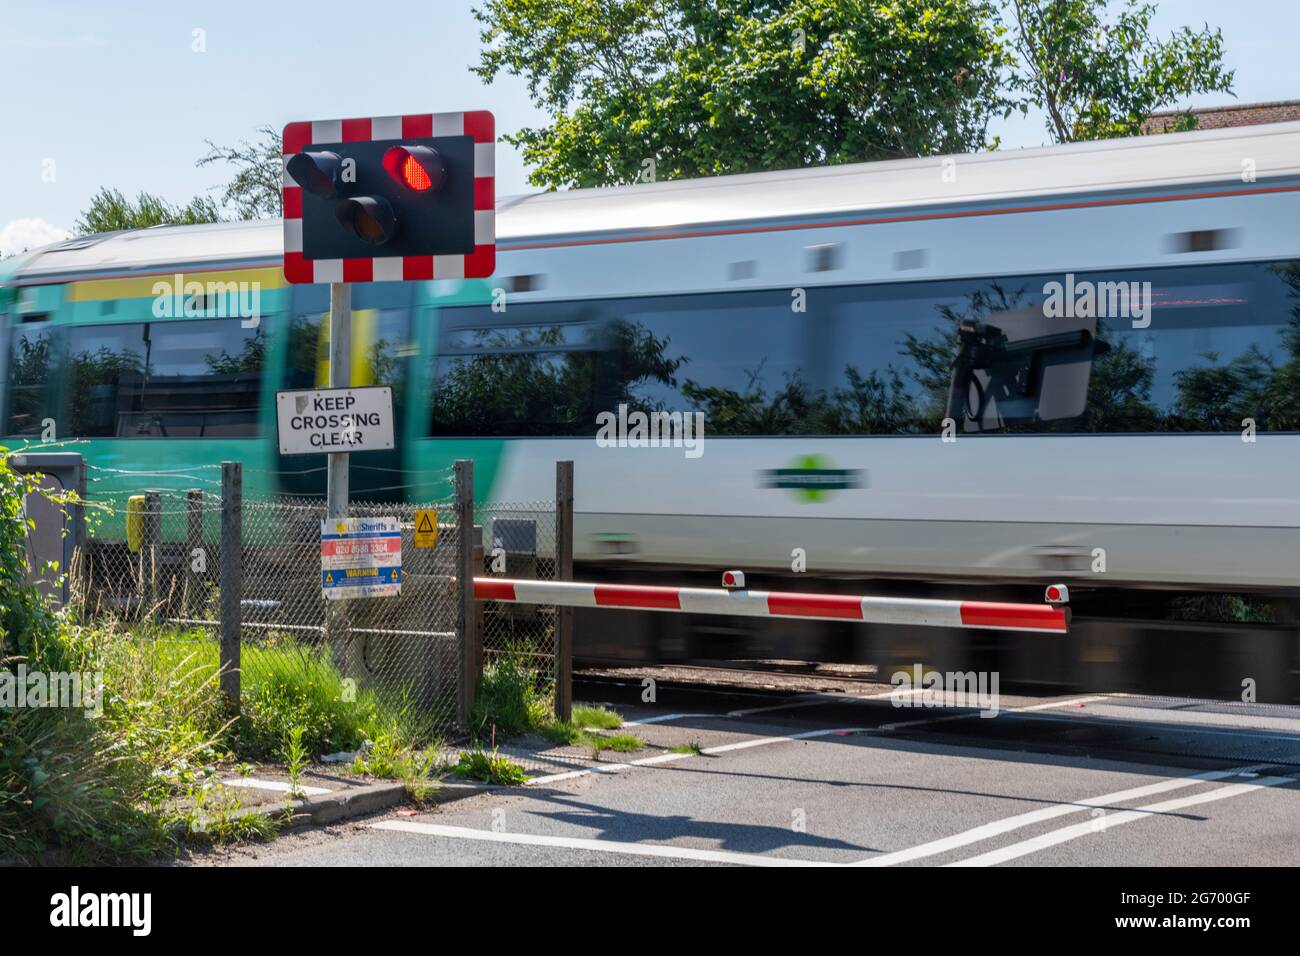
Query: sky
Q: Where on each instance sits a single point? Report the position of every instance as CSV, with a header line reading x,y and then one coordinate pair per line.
x,y
124,93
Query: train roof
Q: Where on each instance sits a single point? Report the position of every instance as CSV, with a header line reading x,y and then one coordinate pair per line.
x,y
1119,165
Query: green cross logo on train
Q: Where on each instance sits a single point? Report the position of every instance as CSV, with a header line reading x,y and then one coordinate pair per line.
x,y
811,478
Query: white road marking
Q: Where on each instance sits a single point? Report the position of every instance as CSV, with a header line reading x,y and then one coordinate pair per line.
x,y
813,700
1062,703
939,719
1106,822
253,783
663,718
707,751
602,846
1006,825
782,738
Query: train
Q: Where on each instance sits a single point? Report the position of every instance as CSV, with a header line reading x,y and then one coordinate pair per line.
x,y
970,375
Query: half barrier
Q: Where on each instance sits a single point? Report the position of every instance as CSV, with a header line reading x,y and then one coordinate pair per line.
x,y
1051,617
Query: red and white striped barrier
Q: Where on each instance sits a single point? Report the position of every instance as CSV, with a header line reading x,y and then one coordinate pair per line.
x,y
1050,618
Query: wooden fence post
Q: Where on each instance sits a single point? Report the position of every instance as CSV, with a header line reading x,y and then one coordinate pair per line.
x,y
564,572
151,539
467,619
193,595
232,575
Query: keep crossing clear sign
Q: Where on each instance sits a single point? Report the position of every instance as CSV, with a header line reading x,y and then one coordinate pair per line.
x,y
360,557
318,420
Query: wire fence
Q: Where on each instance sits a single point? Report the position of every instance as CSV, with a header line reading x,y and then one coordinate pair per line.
x,y
400,652
159,557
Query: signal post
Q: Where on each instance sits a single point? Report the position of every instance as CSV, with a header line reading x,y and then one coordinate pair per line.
x,y
390,198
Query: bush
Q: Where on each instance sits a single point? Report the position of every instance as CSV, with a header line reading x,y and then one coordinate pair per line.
x,y
110,788
489,768
512,697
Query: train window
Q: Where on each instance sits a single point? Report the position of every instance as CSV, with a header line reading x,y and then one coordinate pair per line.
x,y
539,370
382,341
204,379
984,355
106,365
30,370
1172,349
741,358
186,379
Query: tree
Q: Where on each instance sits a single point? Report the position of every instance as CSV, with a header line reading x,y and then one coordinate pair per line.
x,y
1096,80
642,89
110,211
255,191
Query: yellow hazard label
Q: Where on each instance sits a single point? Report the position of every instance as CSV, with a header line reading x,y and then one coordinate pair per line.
x,y
426,528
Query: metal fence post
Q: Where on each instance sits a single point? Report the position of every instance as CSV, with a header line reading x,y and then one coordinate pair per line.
x,y
191,601
564,572
78,566
232,575
466,618
150,540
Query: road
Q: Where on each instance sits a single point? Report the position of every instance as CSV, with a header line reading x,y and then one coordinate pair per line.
x,y
816,779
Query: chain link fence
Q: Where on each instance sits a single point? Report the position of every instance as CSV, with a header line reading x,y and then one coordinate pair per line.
x,y
519,641
400,651
156,557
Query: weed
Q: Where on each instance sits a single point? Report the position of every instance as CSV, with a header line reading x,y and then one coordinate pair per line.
x,y
511,695
389,757
488,767
295,758
598,718
621,743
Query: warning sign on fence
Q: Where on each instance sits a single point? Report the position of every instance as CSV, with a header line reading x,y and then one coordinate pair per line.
x,y
426,528
360,557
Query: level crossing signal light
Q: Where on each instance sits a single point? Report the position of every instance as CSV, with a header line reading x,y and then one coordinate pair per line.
x,y
386,199
418,170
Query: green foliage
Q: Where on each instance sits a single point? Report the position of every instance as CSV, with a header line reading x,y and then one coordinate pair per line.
x,y
563,733
620,743
110,211
707,88
511,697
27,628
688,748
255,191
598,717
295,758
390,756
1097,80
489,768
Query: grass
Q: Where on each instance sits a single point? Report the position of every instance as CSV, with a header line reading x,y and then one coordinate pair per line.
x,y
582,730
563,733
388,756
690,748
489,768
620,743
599,718
144,777
512,696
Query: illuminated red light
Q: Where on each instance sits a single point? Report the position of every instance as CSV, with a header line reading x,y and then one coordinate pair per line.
x,y
414,176
418,168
